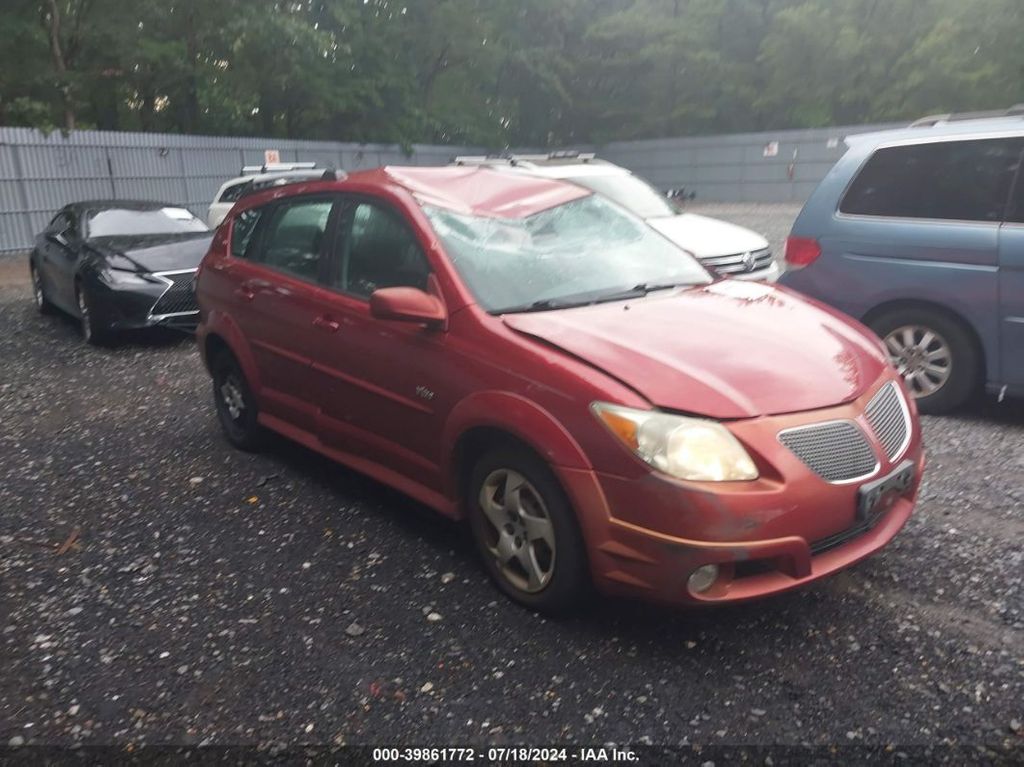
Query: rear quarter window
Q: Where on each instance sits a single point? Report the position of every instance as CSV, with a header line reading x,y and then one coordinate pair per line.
x,y
242,229
953,180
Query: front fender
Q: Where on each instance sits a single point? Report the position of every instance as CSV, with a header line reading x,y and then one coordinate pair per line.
x,y
517,416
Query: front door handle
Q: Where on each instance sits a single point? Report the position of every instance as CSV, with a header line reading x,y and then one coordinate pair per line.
x,y
324,322
246,291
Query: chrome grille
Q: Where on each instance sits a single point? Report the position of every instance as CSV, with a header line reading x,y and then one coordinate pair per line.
x,y
836,451
888,419
180,296
740,263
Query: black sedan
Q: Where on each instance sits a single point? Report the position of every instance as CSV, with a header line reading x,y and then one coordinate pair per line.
x,y
120,265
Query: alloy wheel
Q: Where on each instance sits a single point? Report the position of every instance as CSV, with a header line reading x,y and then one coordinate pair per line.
x,y
83,311
37,290
520,536
232,396
922,357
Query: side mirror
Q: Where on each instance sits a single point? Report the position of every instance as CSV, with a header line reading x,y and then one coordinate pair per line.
x,y
408,305
61,238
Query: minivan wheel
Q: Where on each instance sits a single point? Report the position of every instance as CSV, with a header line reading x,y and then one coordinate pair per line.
x,y
526,531
935,354
236,407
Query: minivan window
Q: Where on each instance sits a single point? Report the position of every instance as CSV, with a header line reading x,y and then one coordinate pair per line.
x,y
294,235
1015,210
953,180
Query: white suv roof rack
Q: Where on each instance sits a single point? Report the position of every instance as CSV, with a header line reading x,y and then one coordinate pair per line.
x,y
275,167
1017,110
551,158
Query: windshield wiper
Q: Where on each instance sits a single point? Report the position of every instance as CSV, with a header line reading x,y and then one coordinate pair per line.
x,y
537,306
545,304
637,291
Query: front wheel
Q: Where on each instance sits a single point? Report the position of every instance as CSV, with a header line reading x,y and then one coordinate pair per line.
x,y
236,406
43,304
936,355
92,332
526,531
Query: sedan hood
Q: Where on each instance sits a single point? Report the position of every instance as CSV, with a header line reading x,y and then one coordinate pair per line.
x,y
726,350
158,252
706,237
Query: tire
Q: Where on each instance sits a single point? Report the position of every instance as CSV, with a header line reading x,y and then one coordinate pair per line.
x,y
952,346
235,404
93,334
43,305
556,579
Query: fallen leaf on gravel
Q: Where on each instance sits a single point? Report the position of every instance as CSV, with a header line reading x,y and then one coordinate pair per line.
x,y
66,546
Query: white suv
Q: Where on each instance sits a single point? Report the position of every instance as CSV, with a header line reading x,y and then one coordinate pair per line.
x,y
256,176
725,248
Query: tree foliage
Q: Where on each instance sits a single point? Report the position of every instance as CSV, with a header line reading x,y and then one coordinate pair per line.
x,y
501,72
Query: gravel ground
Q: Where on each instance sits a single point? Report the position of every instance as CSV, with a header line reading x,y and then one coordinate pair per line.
x,y
216,596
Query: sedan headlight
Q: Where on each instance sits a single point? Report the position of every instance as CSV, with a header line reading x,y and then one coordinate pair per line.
x,y
687,448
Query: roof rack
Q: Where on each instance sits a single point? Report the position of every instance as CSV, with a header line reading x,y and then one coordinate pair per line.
x,y
274,167
507,158
296,177
1016,110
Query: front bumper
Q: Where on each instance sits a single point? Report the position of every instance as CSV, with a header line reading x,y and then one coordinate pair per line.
x,y
160,302
645,537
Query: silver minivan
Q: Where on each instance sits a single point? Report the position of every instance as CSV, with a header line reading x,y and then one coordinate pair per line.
x,y
919,233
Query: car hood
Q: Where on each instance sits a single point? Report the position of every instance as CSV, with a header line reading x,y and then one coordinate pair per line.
x,y
158,252
726,350
706,237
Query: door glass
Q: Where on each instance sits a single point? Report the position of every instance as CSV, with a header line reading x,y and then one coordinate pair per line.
x,y
379,251
1015,210
294,235
960,180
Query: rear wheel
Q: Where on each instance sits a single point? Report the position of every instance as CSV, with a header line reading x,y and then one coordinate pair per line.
x,y
937,357
236,406
526,531
43,304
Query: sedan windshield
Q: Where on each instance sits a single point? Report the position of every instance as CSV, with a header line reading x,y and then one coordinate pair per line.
x,y
630,192
581,252
120,222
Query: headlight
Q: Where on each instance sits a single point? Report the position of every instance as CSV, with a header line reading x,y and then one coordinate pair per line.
x,y
687,448
121,270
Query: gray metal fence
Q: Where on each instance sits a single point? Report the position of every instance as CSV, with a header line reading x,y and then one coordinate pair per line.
x,y
40,172
771,166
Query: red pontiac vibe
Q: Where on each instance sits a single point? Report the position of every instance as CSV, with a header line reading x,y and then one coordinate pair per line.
x,y
525,354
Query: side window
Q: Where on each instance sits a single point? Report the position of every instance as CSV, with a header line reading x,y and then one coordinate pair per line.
x,y
962,180
60,223
294,233
1015,211
242,229
378,250
233,192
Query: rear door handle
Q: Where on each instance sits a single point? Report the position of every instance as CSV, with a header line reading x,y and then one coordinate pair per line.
x,y
325,322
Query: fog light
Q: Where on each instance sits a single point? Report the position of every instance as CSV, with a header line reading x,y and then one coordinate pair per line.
x,y
702,579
